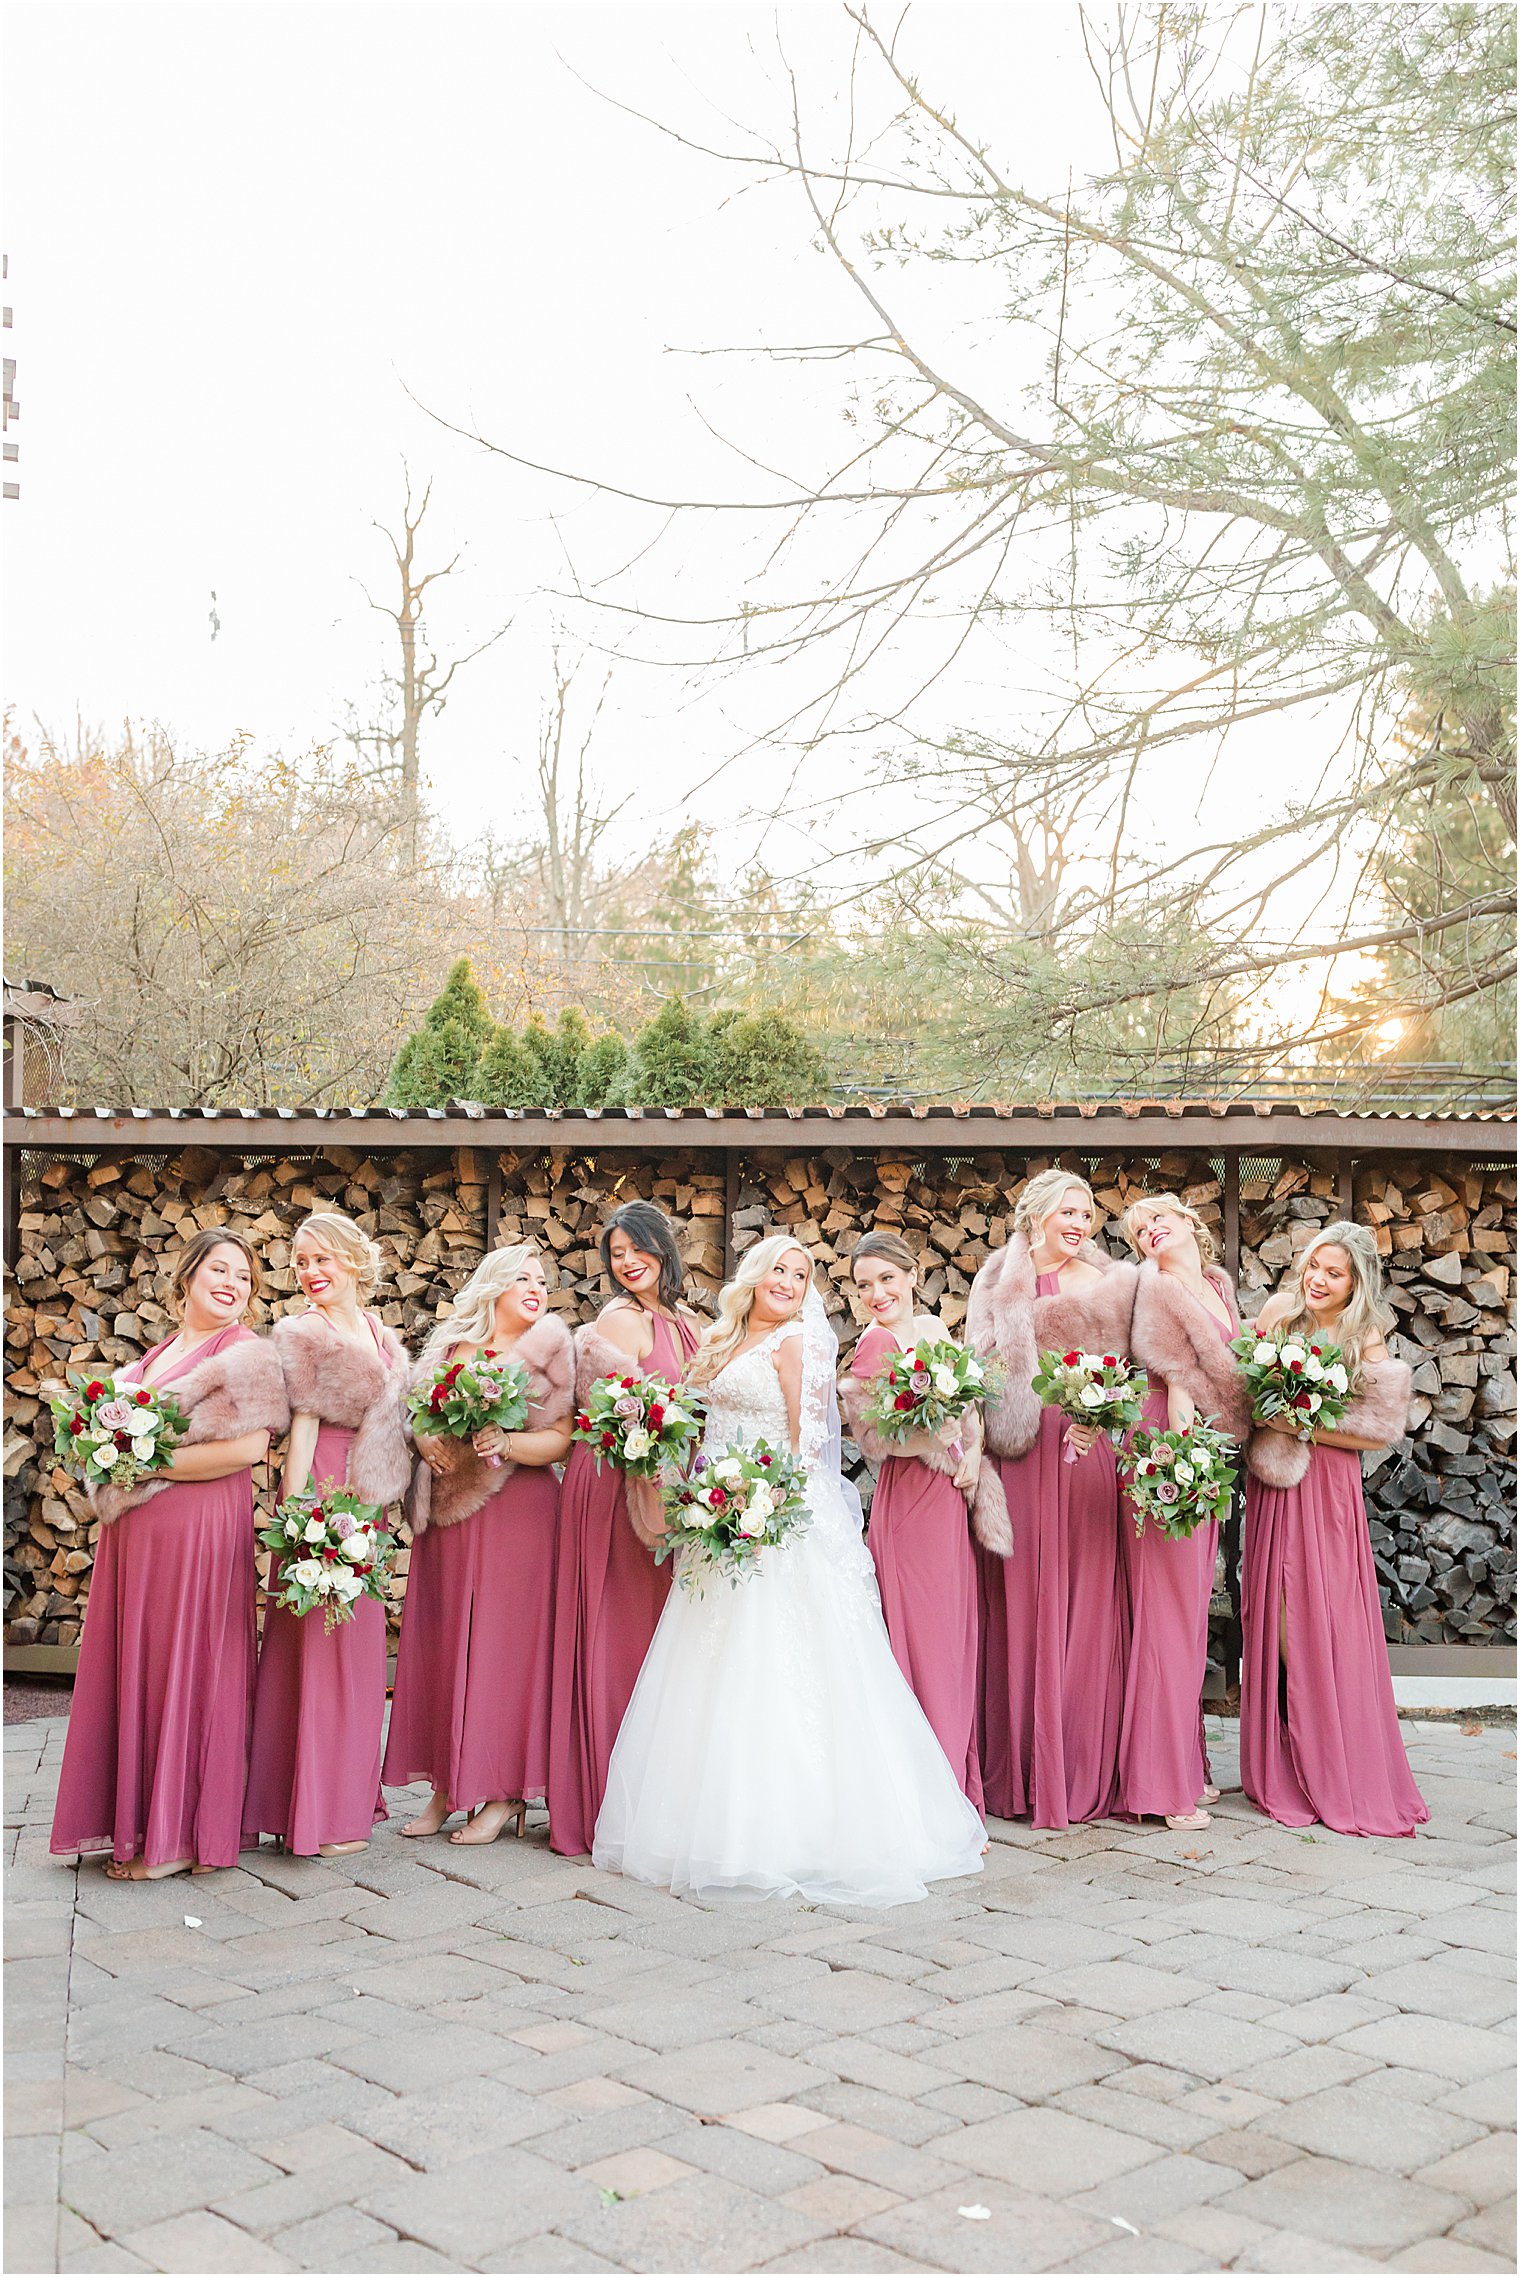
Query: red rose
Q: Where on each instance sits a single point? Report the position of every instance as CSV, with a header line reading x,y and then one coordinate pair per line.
x,y
122,1439
903,1399
656,1418
719,1500
361,1570
629,1383
436,1397
94,1391
77,1426
1302,1400
145,1399
1070,1359
764,1462
583,1423
1110,1362
609,1438
1295,1367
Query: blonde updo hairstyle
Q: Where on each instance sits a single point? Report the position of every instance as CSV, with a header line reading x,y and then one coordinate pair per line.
x,y
730,1323
350,1244
1042,1196
1365,1318
471,1318
1208,1247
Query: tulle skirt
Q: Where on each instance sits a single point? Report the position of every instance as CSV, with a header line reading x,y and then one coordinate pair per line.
x,y
773,1749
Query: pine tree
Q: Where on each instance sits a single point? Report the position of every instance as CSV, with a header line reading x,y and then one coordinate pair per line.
x,y
439,1062
600,1076
669,1062
511,1075
763,1061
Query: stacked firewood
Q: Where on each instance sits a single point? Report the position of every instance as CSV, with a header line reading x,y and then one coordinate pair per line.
x,y
97,1239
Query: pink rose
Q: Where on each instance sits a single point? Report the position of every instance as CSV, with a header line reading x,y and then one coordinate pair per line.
x,y
116,1415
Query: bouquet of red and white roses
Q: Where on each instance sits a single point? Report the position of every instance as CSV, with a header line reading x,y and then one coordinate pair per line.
x,y
1177,1481
1094,1388
113,1435
329,1550
1306,1378
732,1507
931,1385
639,1424
467,1396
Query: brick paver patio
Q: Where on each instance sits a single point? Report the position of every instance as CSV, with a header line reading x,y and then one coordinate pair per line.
x,y
1249,2049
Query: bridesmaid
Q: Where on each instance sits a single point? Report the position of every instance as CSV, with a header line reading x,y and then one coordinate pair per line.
x,y
609,1593
1185,1315
918,1537
1053,1614
1319,1734
471,1707
320,1702
157,1749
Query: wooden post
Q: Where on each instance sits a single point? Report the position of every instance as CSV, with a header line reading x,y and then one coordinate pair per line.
x,y
730,1205
1232,1629
1344,1184
1232,1214
493,1201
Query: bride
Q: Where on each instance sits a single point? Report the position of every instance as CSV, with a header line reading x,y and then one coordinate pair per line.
x,y
772,1747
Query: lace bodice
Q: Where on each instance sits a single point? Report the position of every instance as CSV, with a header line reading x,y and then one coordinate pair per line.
x,y
745,1401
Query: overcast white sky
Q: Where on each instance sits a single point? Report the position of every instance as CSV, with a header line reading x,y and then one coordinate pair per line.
x,y
240,231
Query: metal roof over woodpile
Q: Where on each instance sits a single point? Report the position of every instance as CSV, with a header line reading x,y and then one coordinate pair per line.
x,y
1087,1126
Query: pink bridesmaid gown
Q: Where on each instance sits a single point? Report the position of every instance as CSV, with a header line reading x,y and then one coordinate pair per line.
x,y
319,1711
471,1708
1163,1764
920,1544
608,1598
1337,1756
157,1748
1054,1634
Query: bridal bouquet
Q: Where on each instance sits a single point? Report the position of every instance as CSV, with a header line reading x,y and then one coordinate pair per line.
x,y
468,1395
932,1384
329,1550
110,1435
1096,1388
732,1507
1177,1481
639,1424
1306,1378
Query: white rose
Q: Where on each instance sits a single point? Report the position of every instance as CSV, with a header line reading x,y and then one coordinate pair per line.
x,y
1091,1395
637,1443
674,1414
307,1574
1315,1403
105,1457
316,1530
1184,1474
292,1529
945,1382
755,1512
1264,1354
357,1546
1336,1376
348,1586
728,1469
1292,1353
1314,1368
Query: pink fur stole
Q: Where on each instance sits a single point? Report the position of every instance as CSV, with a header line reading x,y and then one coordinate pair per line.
x,y
988,1504
1379,1412
469,1483
238,1389
357,1389
1005,1319
1177,1342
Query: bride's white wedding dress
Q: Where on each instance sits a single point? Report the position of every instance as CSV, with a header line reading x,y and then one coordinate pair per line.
x,y
772,1747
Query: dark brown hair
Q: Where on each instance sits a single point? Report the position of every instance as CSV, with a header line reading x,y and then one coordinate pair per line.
x,y
890,1247
194,1254
649,1229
